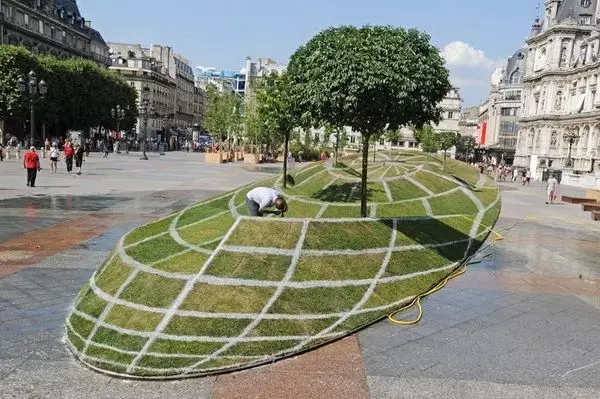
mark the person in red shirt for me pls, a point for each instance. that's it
(69, 153)
(31, 162)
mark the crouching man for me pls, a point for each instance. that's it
(261, 198)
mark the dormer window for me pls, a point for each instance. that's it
(586, 3)
(585, 19)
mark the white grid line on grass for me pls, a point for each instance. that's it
(303, 182)
(386, 172)
(259, 283)
(388, 192)
(316, 202)
(109, 307)
(418, 184)
(450, 179)
(288, 276)
(366, 296)
(321, 211)
(180, 299)
(373, 213)
(331, 183)
(427, 207)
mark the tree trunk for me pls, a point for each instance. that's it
(285, 160)
(363, 185)
(374, 151)
(337, 143)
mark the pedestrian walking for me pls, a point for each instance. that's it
(78, 158)
(528, 177)
(69, 153)
(551, 190)
(515, 174)
(31, 162)
(54, 154)
(105, 148)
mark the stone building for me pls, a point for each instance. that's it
(560, 90)
(504, 104)
(51, 27)
(164, 79)
(468, 125)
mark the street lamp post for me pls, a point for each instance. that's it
(37, 91)
(118, 114)
(570, 138)
(144, 113)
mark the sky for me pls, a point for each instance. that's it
(475, 36)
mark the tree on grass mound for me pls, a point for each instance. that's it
(373, 79)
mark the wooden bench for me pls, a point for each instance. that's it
(575, 200)
(596, 215)
(591, 207)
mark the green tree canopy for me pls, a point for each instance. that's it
(465, 146)
(222, 113)
(277, 110)
(373, 79)
(447, 140)
(80, 93)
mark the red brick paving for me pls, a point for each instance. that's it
(39, 244)
(335, 371)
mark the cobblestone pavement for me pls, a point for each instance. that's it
(523, 323)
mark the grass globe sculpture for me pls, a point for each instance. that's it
(209, 290)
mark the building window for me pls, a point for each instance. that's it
(585, 19)
(586, 3)
(559, 99)
(381, 141)
(563, 57)
(450, 115)
(26, 19)
(515, 77)
(512, 95)
(352, 139)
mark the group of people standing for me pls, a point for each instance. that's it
(72, 153)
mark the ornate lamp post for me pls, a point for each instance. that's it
(570, 138)
(37, 91)
(145, 112)
(118, 114)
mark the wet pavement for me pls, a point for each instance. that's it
(522, 323)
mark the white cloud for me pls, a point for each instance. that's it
(461, 82)
(461, 54)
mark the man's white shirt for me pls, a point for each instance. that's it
(264, 197)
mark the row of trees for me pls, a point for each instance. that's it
(374, 79)
(80, 93)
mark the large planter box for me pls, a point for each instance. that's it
(251, 158)
(593, 194)
(214, 157)
(239, 156)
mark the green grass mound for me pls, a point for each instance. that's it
(209, 289)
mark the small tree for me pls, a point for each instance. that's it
(466, 146)
(427, 138)
(446, 140)
(277, 110)
(369, 79)
(393, 136)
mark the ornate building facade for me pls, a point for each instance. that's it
(51, 27)
(560, 124)
(504, 102)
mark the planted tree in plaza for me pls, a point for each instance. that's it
(222, 116)
(427, 138)
(373, 79)
(465, 146)
(447, 140)
(278, 112)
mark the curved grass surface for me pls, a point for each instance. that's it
(209, 290)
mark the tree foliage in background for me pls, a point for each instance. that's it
(447, 140)
(371, 79)
(80, 93)
(465, 146)
(427, 138)
(222, 117)
(277, 110)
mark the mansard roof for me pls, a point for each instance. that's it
(96, 36)
(574, 8)
(70, 7)
(517, 60)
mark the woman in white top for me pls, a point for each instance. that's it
(54, 153)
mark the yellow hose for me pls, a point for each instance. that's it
(463, 269)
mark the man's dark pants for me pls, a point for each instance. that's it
(69, 161)
(253, 208)
(31, 175)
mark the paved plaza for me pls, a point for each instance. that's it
(522, 323)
